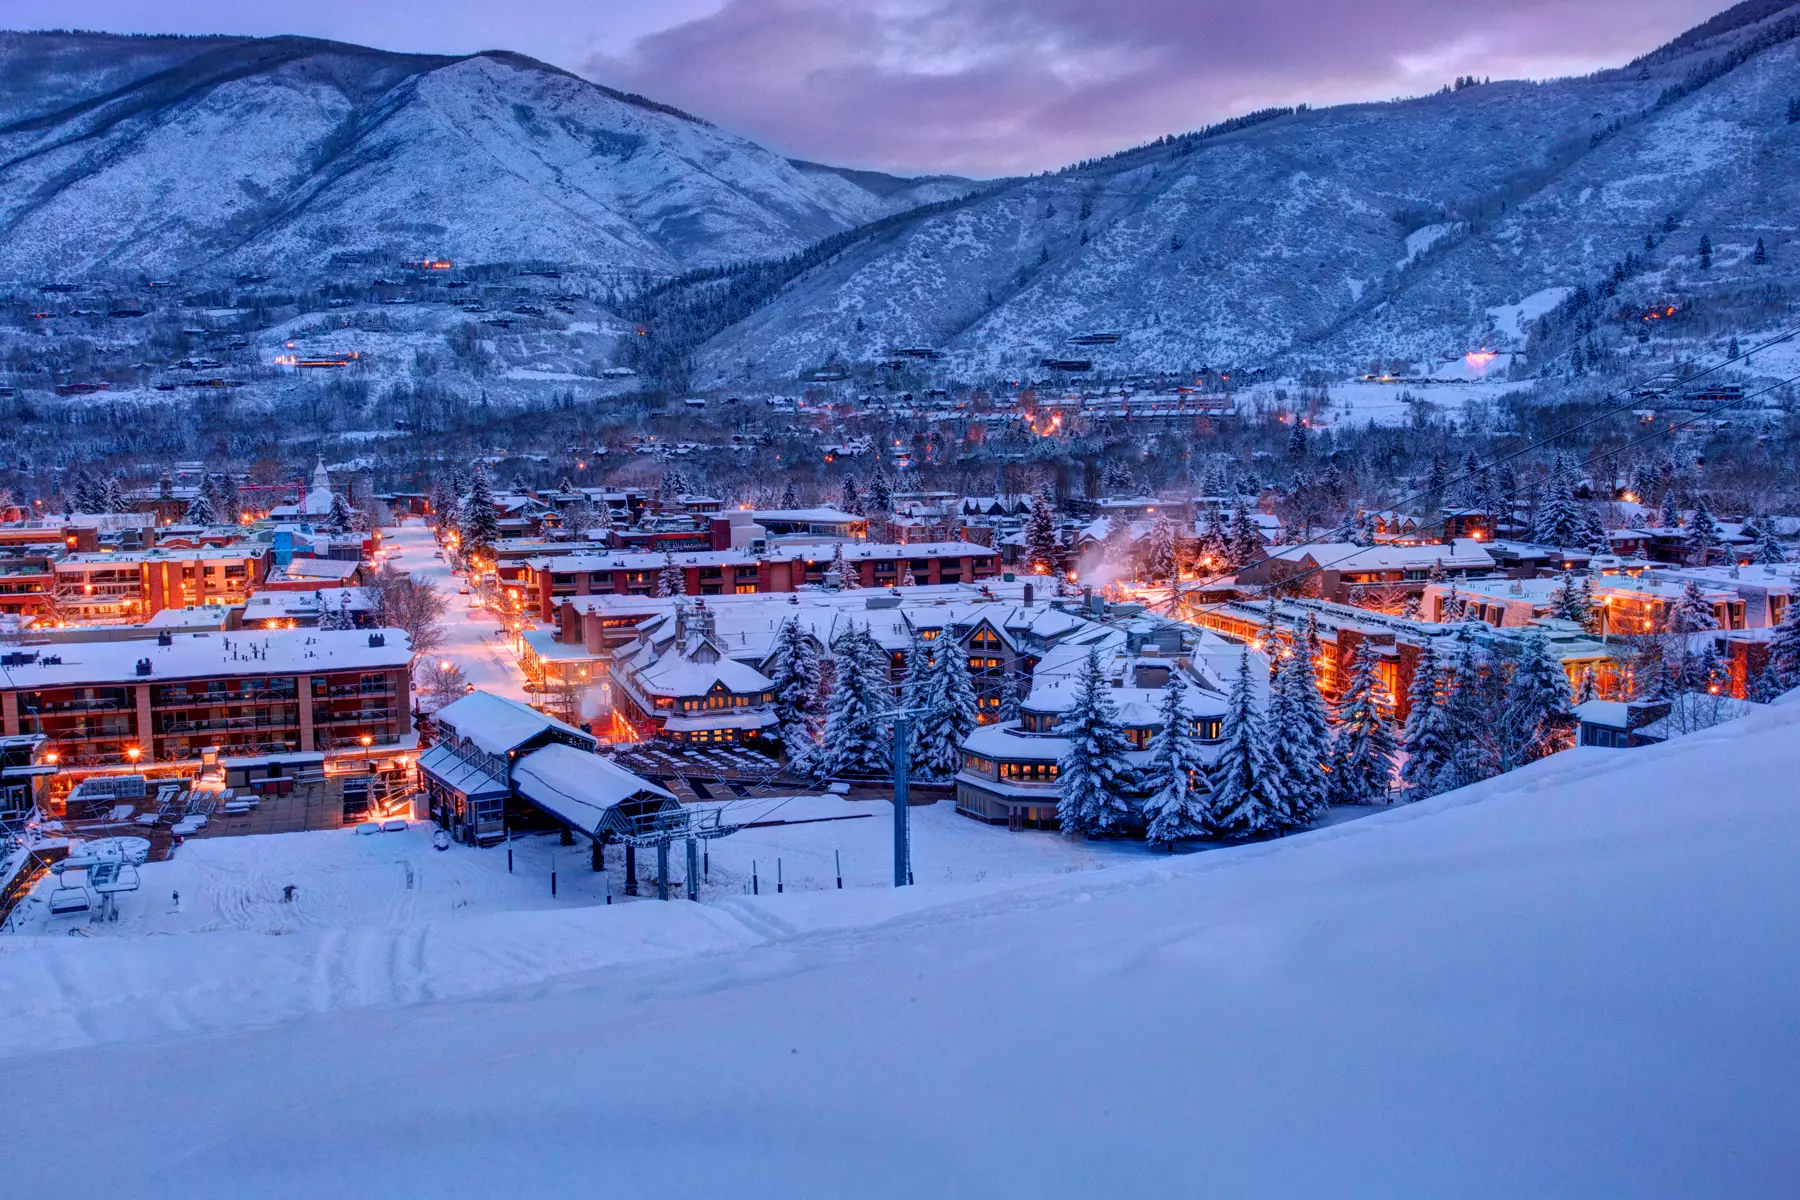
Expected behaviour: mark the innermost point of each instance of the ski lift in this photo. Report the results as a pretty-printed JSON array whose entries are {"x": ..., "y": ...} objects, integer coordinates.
[
  {"x": 109, "y": 879},
  {"x": 69, "y": 898}
]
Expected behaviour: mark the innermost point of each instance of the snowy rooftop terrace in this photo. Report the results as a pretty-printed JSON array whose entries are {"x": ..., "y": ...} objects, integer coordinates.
[{"x": 214, "y": 655}]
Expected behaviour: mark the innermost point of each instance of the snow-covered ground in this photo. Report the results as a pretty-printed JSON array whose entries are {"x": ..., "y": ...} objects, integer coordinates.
[
  {"x": 1577, "y": 979},
  {"x": 473, "y": 637}
]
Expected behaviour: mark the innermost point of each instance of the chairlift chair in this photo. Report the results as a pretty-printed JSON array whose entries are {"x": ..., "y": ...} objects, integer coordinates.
[{"x": 69, "y": 898}]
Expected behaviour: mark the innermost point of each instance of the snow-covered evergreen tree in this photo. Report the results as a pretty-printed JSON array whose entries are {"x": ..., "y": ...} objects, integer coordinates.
[
  {"x": 1469, "y": 722},
  {"x": 1692, "y": 612},
  {"x": 1558, "y": 521},
  {"x": 1534, "y": 722},
  {"x": 950, "y": 713},
  {"x": 1767, "y": 549},
  {"x": 671, "y": 580},
  {"x": 1572, "y": 601},
  {"x": 1299, "y": 743},
  {"x": 857, "y": 741},
  {"x": 340, "y": 519},
  {"x": 1670, "y": 513},
  {"x": 1304, "y": 741},
  {"x": 443, "y": 505},
  {"x": 881, "y": 493},
  {"x": 1246, "y": 538},
  {"x": 1703, "y": 533},
  {"x": 112, "y": 496},
  {"x": 479, "y": 524},
  {"x": 790, "y": 499},
  {"x": 200, "y": 510},
  {"x": 1177, "y": 807},
  {"x": 844, "y": 574},
  {"x": 1362, "y": 753},
  {"x": 1094, "y": 772},
  {"x": 1425, "y": 737},
  {"x": 1159, "y": 556},
  {"x": 1784, "y": 649},
  {"x": 337, "y": 616},
  {"x": 851, "y": 501},
  {"x": 794, "y": 670},
  {"x": 1041, "y": 552},
  {"x": 1244, "y": 777}
]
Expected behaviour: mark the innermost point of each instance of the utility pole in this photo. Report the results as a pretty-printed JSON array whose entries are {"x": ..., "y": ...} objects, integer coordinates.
[
  {"x": 693, "y": 881},
  {"x": 902, "y": 850}
]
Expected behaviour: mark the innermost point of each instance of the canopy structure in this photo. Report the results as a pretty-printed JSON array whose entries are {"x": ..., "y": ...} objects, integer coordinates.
[{"x": 595, "y": 796}]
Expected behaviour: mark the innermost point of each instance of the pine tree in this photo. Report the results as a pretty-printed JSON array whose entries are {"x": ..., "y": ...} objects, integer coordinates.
[
  {"x": 949, "y": 717},
  {"x": 1094, "y": 772},
  {"x": 1760, "y": 255},
  {"x": 1784, "y": 648},
  {"x": 1425, "y": 738},
  {"x": 200, "y": 510},
  {"x": 1572, "y": 601},
  {"x": 1041, "y": 553},
  {"x": 1246, "y": 538},
  {"x": 1703, "y": 531},
  {"x": 112, "y": 496},
  {"x": 671, "y": 580},
  {"x": 857, "y": 741},
  {"x": 1671, "y": 509},
  {"x": 794, "y": 670},
  {"x": 1767, "y": 549},
  {"x": 1557, "y": 521},
  {"x": 222, "y": 490},
  {"x": 842, "y": 572},
  {"x": 480, "y": 525},
  {"x": 1362, "y": 753},
  {"x": 1244, "y": 777},
  {"x": 881, "y": 494},
  {"x": 340, "y": 519},
  {"x": 1299, "y": 741},
  {"x": 1692, "y": 612},
  {"x": 1468, "y": 723},
  {"x": 851, "y": 501},
  {"x": 443, "y": 505},
  {"x": 1706, "y": 252},
  {"x": 1159, "y": 558},
  {"x": 790, "y": 499},
  {"x": 1534, "y": 722},
  {"x": 339, "y": 617},
  {"x": 1177, "y": 807},
  {"x": 1590, "y": 686}
]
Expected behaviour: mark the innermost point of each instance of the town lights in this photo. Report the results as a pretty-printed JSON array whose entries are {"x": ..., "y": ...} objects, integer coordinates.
[
  {"x": 53, "y": 758},
  {"x": 133, "y": 753}
]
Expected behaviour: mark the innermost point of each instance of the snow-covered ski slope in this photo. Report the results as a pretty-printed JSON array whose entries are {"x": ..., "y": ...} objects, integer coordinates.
[{"x": 1575, "y": 980}]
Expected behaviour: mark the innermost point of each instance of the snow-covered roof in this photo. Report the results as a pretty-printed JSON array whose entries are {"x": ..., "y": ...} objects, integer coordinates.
[
  {"x": 339, "y": 569},
  {"x": 581, "y": 787},
  {"x": 453, "y": 769},
  {"x": 217, "y": 655},
  {"x": 675, "y": 675},
  {"x": 498, "y": 724},
  {"x": 1349, "y": 557}
]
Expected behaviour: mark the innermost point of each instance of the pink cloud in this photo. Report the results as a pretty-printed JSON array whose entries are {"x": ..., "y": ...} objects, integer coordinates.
[{"x": 990, "y": 87}]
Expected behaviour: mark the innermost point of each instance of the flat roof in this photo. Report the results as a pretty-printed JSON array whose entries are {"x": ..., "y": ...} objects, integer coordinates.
[{"x": 212, "y": 656}]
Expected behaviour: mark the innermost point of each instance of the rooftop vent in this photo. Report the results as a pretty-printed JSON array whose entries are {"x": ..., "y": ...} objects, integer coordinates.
[
  {"x": 143, "y": 666},
  {"x": 378, "y": 639}
]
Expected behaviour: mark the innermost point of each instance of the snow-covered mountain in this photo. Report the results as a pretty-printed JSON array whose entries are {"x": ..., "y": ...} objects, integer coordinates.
[
  {"x": 171, "y": 155},
  {"x": 1415, "y": 230}
]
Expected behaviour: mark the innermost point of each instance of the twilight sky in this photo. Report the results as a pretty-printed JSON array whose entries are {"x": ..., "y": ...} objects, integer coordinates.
[{"x": 980, "y": 87}]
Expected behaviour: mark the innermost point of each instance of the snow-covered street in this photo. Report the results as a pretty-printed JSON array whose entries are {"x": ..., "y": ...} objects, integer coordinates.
[{"x": 472, "y": 637}]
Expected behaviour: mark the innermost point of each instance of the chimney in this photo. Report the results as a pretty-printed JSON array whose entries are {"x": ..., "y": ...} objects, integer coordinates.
[{"x": 1030, "y": 595}]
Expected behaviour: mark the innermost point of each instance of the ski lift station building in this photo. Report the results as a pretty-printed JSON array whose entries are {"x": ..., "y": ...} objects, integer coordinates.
[{"x": 499, "y": 763}]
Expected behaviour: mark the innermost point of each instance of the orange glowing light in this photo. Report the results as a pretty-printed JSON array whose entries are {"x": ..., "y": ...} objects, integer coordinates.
[
  {"x": 53, "y": 758},
  {"x": 132, "y": 752}
]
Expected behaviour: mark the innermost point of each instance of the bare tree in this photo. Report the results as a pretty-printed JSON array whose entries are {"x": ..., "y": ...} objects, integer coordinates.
[
  {"x": 441, "y": 682},
  {"x": 416, "y": 606}
]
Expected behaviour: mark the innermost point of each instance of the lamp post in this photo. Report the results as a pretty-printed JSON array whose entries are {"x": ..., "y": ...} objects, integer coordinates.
[{"x": 368, "y": 760}]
